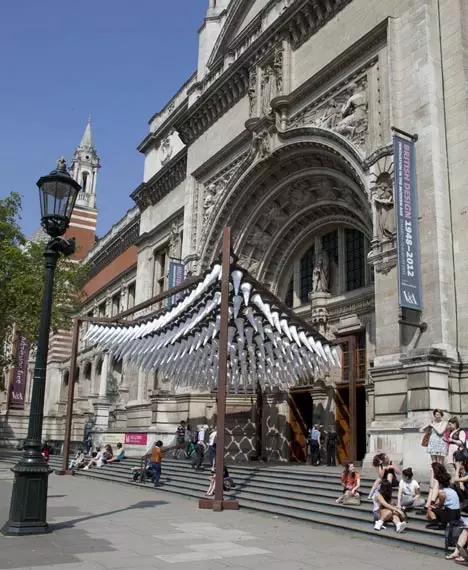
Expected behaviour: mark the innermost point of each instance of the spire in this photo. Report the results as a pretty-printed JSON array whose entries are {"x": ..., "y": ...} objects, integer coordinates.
[{"x": 87, "y": 140}]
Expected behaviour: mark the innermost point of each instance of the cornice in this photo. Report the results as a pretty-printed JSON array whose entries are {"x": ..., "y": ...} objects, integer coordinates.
[
  {"x": 153, "y": 137},
  {"x": 171, "y": 175},
  {"x": 115, "y": 247},
  {"x": 143, "y": 239},
  {"x": 127, "y": 275},
  {"x": 117, "y": 230},
  {"x": 297, "y": 23}
]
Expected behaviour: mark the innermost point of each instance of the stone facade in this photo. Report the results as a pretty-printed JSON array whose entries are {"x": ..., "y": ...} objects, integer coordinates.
[{"x": 284, "y": 133}]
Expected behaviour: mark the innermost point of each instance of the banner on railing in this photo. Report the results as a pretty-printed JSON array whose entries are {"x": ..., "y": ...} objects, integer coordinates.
[
  {"x": 407, "y": 226},
  {"x": 176, "y": 277},
  {"x": 20, "y": 374}
]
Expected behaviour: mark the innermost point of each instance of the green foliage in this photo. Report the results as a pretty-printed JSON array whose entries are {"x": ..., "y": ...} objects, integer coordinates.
[{"x": 21, "y": 282}]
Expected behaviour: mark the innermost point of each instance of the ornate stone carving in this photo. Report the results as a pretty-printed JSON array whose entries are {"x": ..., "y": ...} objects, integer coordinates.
[
  {"x": 253, "y": 92},
  {"x": 165, "y": 180},
  {"x": 344, "y": 113},
  {"x": 252, "y": 265},
  {"x": 382, "y": 194},
  {"x": 215, "y": 187},
  {"x": 174, "y": 241},
  {"x": 166, "y": 149},
  {"x": 321, "y": 273},
  {"x": 260, "y": 145}
]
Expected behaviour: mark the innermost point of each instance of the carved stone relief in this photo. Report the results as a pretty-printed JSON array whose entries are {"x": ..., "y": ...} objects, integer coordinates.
[
  {"x": 174, "y": 241},
  {"x": 345, "y": 113},
  {"x": 253, "y": 92},
  {"x": 261, "y": 147},
  {"x": 271, "y": 80},
  {"x": 215, "y": 187},
  {"x": 166, "y": 149}
]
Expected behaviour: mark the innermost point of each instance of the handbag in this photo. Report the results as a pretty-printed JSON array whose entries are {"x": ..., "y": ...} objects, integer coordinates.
[
  {"x": 349, "y": 499},
  {"x": 461, "y": 455},
  {"x": 425, "y": 439}
]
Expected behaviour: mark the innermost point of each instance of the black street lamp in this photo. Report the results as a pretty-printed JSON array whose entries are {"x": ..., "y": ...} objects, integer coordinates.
[{"x": 28, "y": 507}]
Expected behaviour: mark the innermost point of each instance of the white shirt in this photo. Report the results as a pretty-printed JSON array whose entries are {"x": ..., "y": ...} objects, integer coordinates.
[
  {"x": 212, "y": 439},
  {"x": 201, "y": 436},
  {"x": 409, "y": 489}
]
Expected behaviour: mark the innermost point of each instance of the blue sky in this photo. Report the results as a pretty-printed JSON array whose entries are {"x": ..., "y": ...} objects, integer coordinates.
[{"x": 118, "y": 60}]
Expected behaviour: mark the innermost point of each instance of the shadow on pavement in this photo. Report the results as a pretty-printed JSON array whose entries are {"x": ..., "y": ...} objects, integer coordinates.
[{"x": 140, "y": 505}]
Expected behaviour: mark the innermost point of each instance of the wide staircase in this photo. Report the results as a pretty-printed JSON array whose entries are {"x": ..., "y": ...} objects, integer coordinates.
[{"x": 301, "y": 493}]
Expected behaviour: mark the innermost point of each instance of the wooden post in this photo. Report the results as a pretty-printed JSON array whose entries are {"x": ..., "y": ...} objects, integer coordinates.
[
  {"x": 352, "y": 398},
  {"x": 219, "y": 503},
  {"x": 71, "y": 395},
  {"x": 223, "y": 363}
]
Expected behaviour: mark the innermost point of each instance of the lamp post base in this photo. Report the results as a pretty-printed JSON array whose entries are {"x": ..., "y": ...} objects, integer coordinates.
[{"x": 28, "y": 508}]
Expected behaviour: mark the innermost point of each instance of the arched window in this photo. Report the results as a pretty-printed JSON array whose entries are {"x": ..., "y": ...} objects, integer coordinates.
[
  {"x": 347, "y": 269},
  {"x": 306, "y": 274},
  {"x": 84, "y": 181},
  {"x": 87, "y": 371}
]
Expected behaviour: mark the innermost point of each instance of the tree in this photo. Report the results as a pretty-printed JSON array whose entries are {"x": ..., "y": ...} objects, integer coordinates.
[{"x": 22, "y": 282}]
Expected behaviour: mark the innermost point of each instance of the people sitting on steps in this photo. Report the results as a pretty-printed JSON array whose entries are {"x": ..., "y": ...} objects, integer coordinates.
[
  {"x": 446, "y": 508},
  {"x": 384, "y": 511},
  {"x": 351, "y": 481},
  {"x": 409, "y": 492},
  {"x": 386, "y": 471},
  {"x": 119, "y": 456}
]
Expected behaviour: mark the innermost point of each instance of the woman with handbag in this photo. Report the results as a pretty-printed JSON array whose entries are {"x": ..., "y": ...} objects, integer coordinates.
[
  {"x": 437, "y": 447},
  {"x": 457, "y": 451},
  {"x": 351, "y": 481}
]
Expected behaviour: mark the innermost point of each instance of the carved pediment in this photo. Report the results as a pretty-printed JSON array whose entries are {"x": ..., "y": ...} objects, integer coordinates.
[{"x": 240, "y": 14}]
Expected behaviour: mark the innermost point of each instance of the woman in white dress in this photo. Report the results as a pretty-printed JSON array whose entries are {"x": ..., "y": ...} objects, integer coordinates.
[{"x": 438, "y": 446}]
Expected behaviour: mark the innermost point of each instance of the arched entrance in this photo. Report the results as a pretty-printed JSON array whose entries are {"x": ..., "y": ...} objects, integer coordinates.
[{"x": 302, "y": 224}]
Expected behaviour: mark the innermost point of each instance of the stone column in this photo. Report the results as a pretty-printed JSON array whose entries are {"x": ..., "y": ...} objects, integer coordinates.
[
  {"x": 141, "y": 385},
  {"x": 102, "y": 406}
]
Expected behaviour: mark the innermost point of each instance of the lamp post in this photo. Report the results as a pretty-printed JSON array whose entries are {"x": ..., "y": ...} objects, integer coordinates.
[{"x": 28, "y": 507}]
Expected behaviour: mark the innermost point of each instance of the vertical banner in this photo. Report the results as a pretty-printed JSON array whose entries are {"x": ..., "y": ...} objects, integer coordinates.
[
  {"x": 407, "y": 226},
  {"x": 176, "y": 277},
  {"x": 20, "y": 374}
]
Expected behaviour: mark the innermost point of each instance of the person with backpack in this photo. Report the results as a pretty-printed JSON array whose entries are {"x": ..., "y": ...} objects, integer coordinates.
[
  {"x": 457, "y": 451},
  {"x": 200, "y": 448}
]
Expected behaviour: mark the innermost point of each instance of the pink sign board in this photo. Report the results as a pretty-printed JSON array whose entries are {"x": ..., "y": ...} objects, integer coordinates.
[{"x": 136, "y": 438}]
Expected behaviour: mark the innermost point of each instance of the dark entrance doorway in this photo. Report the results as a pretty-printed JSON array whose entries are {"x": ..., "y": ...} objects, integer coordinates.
[
  {"x": 300, "y": 421},
  {"x": 343, "y": 423}
]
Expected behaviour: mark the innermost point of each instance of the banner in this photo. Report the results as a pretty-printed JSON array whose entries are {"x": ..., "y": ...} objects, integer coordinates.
[
  {"x": 20, "y": 374},
  {"x": 406, "y": 213},
  {"x": 136, "y": 439},
  {"x": 176, "y": 277}
]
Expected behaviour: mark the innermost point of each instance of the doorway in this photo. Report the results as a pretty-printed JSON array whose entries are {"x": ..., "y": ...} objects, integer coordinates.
[
  {"x": 342, "y": 423},
  {"x": 300, "y": 421}
]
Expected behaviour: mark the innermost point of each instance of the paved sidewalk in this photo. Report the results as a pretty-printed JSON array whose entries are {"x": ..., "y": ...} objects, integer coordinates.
[{"x": 100, "y": 525}]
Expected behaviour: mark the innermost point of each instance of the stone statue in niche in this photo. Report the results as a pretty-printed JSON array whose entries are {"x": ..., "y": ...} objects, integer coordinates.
[
  {"x": 267, "y": 89},
  {"x": 354, "y": 112},
  {"x": 321, "y": 273},
  {"x": 260, "y": 145},
  {"x": 278, "y": 72},
  {"x": 166, "y": 149},
  {"x": 210, "y": 201},
  {"x": 384, "y": 206},
  {"x": 253, "y": 92},
  {"x": 174, "y": 241}
]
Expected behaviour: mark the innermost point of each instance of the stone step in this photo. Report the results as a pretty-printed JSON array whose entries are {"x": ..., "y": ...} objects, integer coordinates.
[{"x": 306, "y": 495}]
